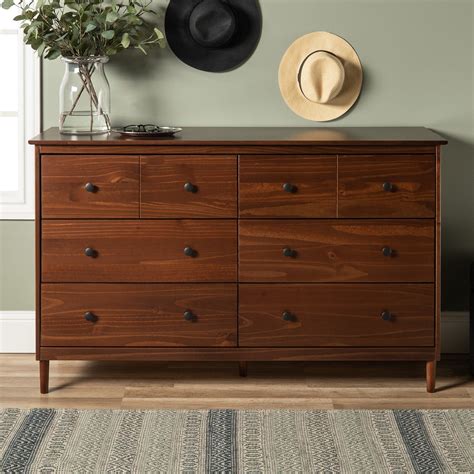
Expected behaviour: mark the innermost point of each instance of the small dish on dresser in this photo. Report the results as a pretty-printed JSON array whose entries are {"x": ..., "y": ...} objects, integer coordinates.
[{"x": 148, "y": 130}]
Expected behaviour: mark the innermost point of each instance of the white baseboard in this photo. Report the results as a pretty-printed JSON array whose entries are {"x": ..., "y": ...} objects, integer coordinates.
[{"x": 17, "y": 332}]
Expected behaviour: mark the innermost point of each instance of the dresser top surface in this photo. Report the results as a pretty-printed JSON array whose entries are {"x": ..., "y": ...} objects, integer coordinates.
[{"x": 259, "y": 136}]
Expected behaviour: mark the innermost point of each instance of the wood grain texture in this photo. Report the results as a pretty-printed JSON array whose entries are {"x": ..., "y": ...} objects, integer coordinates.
[
  {"x": 438, "y": 254},
  {"x": 336, "y": 250},
  {"x": 238, "y": 353},
  {"x": 361, "y": 192},
  {"x": 115, "y": 177},
  {"x": 131, "y": 147},
  {"x": 139, "y": 251},
  {"x": 44, "y": 376},
  {"x": 163, "y": 179},
  {"x": 37, "y": 250},
  {"x": 261, "y": 192},
  {"x": 336, "y": 315},
  {"x": 211, "y": 385},
  {"x": 145, "y": 315},
  {"x": 430, "y": 376},
  {"x": 217, "y": 136}
]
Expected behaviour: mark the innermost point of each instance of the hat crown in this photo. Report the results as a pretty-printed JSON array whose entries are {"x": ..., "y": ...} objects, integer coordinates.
[
  {"x": 212, "y": 23},
  {"x": 321, "y": 77}
]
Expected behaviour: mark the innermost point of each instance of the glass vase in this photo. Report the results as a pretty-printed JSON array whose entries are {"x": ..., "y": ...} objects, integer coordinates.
[{"x": 84, "y": 97}]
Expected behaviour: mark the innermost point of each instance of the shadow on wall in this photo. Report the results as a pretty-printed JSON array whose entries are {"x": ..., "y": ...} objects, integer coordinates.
[{"x": 457, "y": 211}]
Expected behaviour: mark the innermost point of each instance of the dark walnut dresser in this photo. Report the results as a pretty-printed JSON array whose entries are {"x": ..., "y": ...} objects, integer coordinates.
[{"x": 235, "y": 244}]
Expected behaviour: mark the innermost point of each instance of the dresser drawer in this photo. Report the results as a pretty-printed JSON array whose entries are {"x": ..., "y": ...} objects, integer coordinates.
[
  {"x": 288, "y": 186},
  {"x": 138, "y": 315},
  {"x": 361, "y": 315},
  {"x": 76, "y": 186},
  {"x": 387, "y": 186},
  {"x": 336, "y": 250},
  {"x": 188, "y": 186},
  {"x": 139, "y": 251}
]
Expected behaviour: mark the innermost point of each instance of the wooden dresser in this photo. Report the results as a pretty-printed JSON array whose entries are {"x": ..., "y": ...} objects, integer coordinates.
[{"x": 239, "y": 244}]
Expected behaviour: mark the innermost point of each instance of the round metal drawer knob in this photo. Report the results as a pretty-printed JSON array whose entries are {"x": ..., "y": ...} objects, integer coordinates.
[
  {"x": 188, "y": 315},
  {"x": 387, "y": 252},
  {"x": 90, "y": 252},
  {"x": 290, "y": 188},
  {"x": 288, "y": 252},
  {"x": 388, "y": 187},
  {"x": 189, "y": 252},
  {"x": 191, "y": 188},
  {"x": 386, "y": 315},
  {"x": 91, "y": 317},
  {"x": 287, "y": 316},
  {"x": 91, "y": 188}
]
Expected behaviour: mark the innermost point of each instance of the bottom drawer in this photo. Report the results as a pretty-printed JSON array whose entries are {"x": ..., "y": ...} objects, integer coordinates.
[
  {"x": 351, "y": 315},
  {"x": 139, "y": 315}
]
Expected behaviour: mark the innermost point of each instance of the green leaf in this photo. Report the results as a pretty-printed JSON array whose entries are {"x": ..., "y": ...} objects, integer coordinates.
[
  {"x": 125, "y": 40},
  {"x": 53, "y": 54},
  {"x": 40, "y": 49},
  {"x": 108, "y": 34},
  {"x": 6, "y": 4},
  {"x": 111, "y": 17},
  {"x": 158, "y": 34},
  {"x": 90, "y": 27}
]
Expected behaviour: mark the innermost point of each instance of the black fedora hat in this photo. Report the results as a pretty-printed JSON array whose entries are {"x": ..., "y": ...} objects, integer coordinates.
[{"x": 213, "y": 35}]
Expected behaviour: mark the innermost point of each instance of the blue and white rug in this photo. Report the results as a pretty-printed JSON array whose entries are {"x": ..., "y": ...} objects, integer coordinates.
[{"x": 229, "y": 441}]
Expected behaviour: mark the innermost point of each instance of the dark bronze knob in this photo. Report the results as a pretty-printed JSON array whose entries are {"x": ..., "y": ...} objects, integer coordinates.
[
  {"x": 91, "y": 188},
  {"x": 386, "y": 315},
  {"x": 287, "y": 316},
  {"x": 189, "y": 252},
  {"x": 91, "y": 317},
  {"x": 90, "y": 252},
  {"x": 387, "y": 252},
  {"x": 190, "y": 188},
  {"x": 290, "y": 188},
  {"x": 188, "y": 315},
  {"x": 388, "y": 187},
  {"x": 287, "y": 252}
]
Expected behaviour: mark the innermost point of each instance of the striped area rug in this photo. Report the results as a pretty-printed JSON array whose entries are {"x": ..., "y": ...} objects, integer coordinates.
[{"x": 228, "y": 441}]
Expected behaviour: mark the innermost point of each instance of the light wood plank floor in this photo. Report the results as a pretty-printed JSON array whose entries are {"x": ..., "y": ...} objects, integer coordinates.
[{"x": 218, "y": 385}]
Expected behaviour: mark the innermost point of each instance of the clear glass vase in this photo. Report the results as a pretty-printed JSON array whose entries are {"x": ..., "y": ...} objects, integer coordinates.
[{"x": 84, "y": 96}]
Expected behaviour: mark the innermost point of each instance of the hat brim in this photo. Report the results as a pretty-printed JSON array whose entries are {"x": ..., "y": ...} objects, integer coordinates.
[
  {"x": 290, "y": 67},
  {"x": 226, "y": 58}
]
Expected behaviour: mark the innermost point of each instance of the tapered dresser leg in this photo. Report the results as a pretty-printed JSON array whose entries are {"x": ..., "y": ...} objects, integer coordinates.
[
  {"x": 44, "y": 376},
  {"x": 243, "y": 369},
  {"x": 430, "y": 376}
]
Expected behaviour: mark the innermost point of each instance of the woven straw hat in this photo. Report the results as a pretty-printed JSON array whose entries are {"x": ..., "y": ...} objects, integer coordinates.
[{"x": 320, "y": 76}]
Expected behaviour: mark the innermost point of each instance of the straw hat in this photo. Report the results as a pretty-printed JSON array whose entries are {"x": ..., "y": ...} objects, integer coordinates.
[{"x": 320, "y": 76}]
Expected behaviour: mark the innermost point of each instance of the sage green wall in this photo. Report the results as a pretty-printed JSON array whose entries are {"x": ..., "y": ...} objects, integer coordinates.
[
  {"x": 17, "y": 249},
  {"x": 418, "y": 64}
]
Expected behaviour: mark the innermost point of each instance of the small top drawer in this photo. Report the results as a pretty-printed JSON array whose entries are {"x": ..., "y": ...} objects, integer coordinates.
[
  {"x": 288, "y": 186},
  {"x": 90, "y": 186},
  {"x": 387, "y": 186},
  {"x": 188, "y": 186}
]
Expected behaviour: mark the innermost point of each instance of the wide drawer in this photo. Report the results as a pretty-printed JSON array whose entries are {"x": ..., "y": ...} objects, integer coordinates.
[
  {"x": 138, "y": 315},
  {"x": 188, "y": 186},
  {"x": 336, "y": 251},
  {"x": 362, "y": 315},
  {"x": 90, "y": 186},
  {"x": 288, "y": 186},
  {"x": 387, "y": 186},
  {"x": 139, "y": 251}
]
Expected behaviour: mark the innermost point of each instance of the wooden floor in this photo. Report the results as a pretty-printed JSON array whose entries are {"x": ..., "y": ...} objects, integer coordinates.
[{"x": 218, "y": 385}]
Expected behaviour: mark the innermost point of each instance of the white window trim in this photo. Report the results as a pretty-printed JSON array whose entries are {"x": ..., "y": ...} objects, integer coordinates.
[{"x": 20, "y": 205}]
